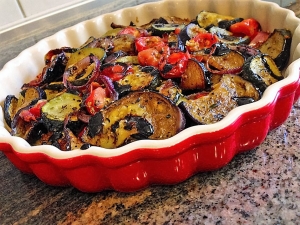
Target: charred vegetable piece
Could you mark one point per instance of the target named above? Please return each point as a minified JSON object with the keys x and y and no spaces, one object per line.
{"x":190,"y":31}
{"x":139,"y":79}
{"x":222,"y":60}
{"x":83,"y":73}
{"x":28,"y":97}
{"x":53,"y":71}
{"x":10,"y":107}
{"x":85,"y":52}
{"x":171,"y":90}
{"x":161,"y":28}
{"x":54,"y":89}
{"x":112,"y":130}
{"x":69,"y":141}
{"x":103,"y":43}
{"x":195,"y":77}
{"x":148,"y":26}
{"x":114,"y":56}
{"x":225,"y":24}
{"x":278,"y":47}
{"x":125,"y":43}
{"x":227,"y":37}
{"x":205,"y":18}
{"x":30,"y":131}
{"x":262,"y":71}
{"x":57,"y":109}
{"x":175,"y":44}
{"x":214,"y":106}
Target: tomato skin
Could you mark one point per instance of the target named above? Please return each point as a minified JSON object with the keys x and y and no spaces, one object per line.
{"x":133,"y":31}
{"x":177,"y":61}
{"x":149,"y":57}
{"x":34,"y":112}
{"x":248,"y":27}
{"x":201,"y":41}
{"x":114,"y":72}
{"x":260,"y":38}
{"x":96,"y":100}
{"x":143,"y":43}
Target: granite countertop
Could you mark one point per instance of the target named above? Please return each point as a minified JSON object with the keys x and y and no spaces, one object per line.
{"x":261,"y":186}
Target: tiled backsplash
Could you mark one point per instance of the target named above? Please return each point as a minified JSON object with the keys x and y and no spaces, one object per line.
{"x":13,"y":12}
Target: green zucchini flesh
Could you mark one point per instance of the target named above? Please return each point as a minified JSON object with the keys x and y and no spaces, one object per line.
{"x":55,"y":111}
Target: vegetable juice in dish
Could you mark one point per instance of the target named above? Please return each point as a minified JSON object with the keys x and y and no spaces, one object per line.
{"x":147,"y":82}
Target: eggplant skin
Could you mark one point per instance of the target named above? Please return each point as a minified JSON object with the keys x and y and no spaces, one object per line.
{"x":10,"y":106}
{"x":278,"y":46}
{"x":148,"y":114}
{"x":195,"y":77}
{"x":214,"y":106}
{"x":261,"y":71}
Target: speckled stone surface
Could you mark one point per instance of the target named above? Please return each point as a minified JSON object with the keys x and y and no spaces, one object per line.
{"x":261,"y":186}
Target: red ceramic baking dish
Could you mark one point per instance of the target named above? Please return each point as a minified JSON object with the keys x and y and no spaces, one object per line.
{"x":146,"y":162}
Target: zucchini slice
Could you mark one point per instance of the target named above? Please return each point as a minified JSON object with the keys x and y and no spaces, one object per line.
{"x":262,"y":71}
{"x":160,"y":117}
{"x":57,"y":109}
{"x":159,"y":29}
{"x":214,"y":106}
{"x":278,"y":46}
{"x":85,"y":52}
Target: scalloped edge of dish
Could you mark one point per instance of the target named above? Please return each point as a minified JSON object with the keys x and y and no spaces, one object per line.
{"x":195,"y":149}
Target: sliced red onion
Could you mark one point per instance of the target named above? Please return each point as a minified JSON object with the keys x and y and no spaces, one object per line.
{"x":113,"y":94}
{"x":80,"y":66}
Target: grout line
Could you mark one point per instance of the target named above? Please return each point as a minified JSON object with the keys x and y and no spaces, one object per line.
{"x":21,"y":8}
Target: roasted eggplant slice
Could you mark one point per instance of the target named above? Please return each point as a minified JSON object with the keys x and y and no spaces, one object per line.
{"x":152,"y":109}
{"x":214,"y":106}
{"x":262,"y":71}
{"x":57,"y":109}
{"x":53,"y":71}
{"x":278,"y":47}
{"x":206,"y":19}
{"x":195,"y":77}
{"x":10,"y":107}
{"x":139,"y":79}
{"x":222,"y":60}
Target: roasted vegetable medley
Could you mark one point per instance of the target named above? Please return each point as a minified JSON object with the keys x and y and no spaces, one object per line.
{"x":147,"y":82}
